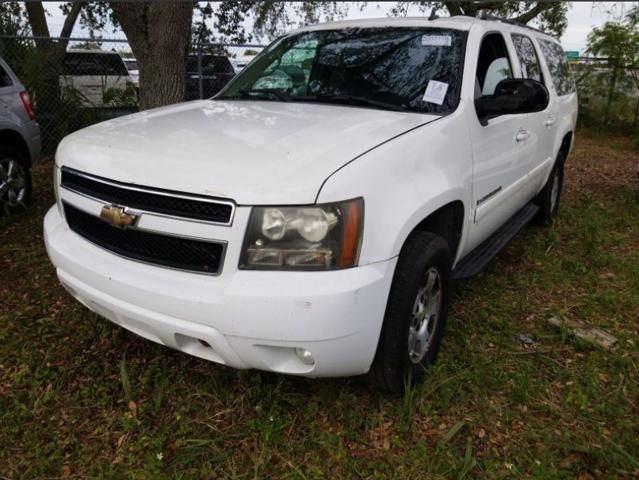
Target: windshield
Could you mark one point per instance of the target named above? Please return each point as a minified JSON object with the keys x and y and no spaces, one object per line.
{"x":408,"y":69}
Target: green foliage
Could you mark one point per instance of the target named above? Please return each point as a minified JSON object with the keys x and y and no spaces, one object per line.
{"x":87,"y":45}
{"x":120,"y":97}
{"x":550,"y":17}
{"x":13,"y":19}
{"x":633,"y":16}
{"x":617,"y":41}
{"x":96,"y":17}
{"x":612,"y":92}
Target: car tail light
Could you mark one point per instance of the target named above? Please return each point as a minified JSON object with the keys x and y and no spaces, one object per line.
{"x":28,"y":106}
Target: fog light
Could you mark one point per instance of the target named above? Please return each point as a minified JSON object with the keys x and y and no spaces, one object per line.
{"x":305,"y":356}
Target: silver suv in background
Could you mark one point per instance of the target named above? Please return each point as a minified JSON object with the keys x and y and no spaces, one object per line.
{"x":19,"y":141}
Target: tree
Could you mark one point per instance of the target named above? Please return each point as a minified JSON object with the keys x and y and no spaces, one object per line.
{"x":39,"y":28}
{"x":45,"y":76}
{"x":633,"y":16}
{"x":50,"y":51}
{"x":159,"y":34}
{"x":13,"y":19}
{"x":549,"y":16}
{"x":619,"y":43}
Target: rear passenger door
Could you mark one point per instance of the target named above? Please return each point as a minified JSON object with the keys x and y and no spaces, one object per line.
{"x":538,"y":124}
{"x":562,"y":115}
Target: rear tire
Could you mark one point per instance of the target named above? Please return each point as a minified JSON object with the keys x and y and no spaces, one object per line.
{"x":548,"y":198}
{"x":415,"y":314}
{"x":15,"y":180}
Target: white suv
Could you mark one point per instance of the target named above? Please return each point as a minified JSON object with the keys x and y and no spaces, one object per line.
{"x":309,"y":219}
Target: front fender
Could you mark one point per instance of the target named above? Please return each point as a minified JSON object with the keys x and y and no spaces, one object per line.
{"x":405,"y":180}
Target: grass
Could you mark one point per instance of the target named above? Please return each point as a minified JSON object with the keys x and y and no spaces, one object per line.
{"x":82,"y":398}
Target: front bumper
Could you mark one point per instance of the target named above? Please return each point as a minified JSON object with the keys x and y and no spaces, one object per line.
{"x":244,"y":319}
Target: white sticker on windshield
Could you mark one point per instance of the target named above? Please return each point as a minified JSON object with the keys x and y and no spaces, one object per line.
{"x":435,"y":92}
{"x":436,"y":40}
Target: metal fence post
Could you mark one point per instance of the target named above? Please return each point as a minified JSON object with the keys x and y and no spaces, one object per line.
{"x":199,"y":69}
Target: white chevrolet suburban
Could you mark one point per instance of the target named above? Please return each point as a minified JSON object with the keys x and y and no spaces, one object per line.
{"x":311,"y":217}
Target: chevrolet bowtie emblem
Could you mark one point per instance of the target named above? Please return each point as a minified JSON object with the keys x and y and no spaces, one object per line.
{"x":117,"y":217}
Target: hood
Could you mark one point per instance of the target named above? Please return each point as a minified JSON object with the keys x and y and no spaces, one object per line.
{"x":253,"y":152}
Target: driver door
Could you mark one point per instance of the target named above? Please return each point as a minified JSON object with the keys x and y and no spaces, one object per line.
{"x":499,"y":146}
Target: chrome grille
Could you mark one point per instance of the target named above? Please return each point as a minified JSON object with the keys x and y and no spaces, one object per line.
{"x":163,"y":202}
{"x":181,"y":253}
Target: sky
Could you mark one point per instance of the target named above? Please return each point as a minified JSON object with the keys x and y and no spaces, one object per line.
{"x":582,"y":17}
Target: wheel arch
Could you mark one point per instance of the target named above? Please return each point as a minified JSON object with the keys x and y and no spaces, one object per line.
{"x":566,"y":144}
{"x":446,"y":221}
{"x":13,"y":138}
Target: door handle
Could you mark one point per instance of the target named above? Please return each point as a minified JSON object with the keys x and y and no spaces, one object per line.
{"x":522,"y":135}
{"x":549,"y":122}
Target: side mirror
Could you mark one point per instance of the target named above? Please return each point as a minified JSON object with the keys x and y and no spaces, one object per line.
{"x":513,"y":96}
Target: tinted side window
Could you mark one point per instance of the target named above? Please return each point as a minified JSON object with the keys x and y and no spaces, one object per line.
{"x":5,"y":79}
{"x":527,"y":57}
{"x":77,"y":64}
{"x":112,"y":64}
{"x":558,"y":66}
{"x":493,"y":64}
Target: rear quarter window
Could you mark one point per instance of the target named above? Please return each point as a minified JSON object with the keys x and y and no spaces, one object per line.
{"x":558,"y":67}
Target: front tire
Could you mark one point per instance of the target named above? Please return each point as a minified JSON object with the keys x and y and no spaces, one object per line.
{"x":415,"y":314}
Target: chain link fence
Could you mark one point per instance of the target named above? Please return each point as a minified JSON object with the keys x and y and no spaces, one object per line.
{"x":608,"y":94}
{"x":77,"y":82}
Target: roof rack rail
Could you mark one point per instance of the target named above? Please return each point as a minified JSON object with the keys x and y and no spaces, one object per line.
{"x":494,"y":18}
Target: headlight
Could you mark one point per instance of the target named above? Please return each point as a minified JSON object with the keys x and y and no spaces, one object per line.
{"x":319,"y":237}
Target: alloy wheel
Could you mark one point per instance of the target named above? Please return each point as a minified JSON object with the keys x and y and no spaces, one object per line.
{"x":13,"y":183}
{"x":425,"y":315}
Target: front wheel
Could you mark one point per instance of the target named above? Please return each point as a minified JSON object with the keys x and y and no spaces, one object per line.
{"x":415,"y":314}
{"x":15,"y":180}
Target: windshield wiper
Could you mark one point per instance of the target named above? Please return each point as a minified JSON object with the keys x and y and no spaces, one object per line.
{"x":281,"y":95}
{"x":355,"y":100}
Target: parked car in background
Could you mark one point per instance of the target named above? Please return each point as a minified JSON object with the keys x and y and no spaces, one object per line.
{"x":311,"y":218}
{"x":19,"y":141}
{"x":216,"y":72}
{"x":242,"y":61}
{"x":134,"y":72}
{"x":95,"y":78}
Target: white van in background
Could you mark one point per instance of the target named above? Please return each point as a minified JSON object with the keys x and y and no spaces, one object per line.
{"x":94,"y":76}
